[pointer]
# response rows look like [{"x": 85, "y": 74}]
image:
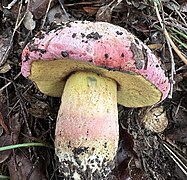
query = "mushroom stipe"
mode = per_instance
[{"x": 88, "y": 112}]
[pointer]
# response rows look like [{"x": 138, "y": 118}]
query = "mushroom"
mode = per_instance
[
  {"x": 154, "y": 119},
  {"x": 92, "y": 66}
]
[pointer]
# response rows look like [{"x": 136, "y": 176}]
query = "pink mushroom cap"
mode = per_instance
[{"x": 101, "y": 44}]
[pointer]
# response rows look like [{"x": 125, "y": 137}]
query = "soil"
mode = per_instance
[{"x": 27, "y": 115}]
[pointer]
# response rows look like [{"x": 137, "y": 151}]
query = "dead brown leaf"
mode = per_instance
[
  {"x": 20, "y": 167},
  {"x": 155, "y": 46},
  {"x": 104, "y": 14},
  {"x": 2, "y": 123},
  {"x": 5, "y": 68},
  {"x": 10, "y": 138},
  {"x": 184, "y": 7},
  {"x": 57, "y": 15},
  {"x": 4, "y": 46},
  {"x": 15, "y": 127},
  {"x": 5, "y": 140},
  {"x": 178, "y": 134},
  {"x": 90, "y": 10},
  {"x": 38, "y": 8},
  {"x": 185, "y": 74},
  {"x": 38, "y": 108}
]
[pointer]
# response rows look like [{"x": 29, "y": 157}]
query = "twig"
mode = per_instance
[
  {"x": 45, "y": 17},
  {"x": 9, "y": 83},
  {"x": 18, "y": 23},
  {"x": 23, "y": 108},
  {"x": 175, "y": 24},
  {"x": 34, "y": 166},
  {"x": 183, "y": 19},
  {"x": 176, "y": 156},
  {"x": 10, "y": 4},
  {"x": 144, "y": 162},
  {"x": 178, "y": 107},
  {"x": 172, "y": 82},
  {"x": 178, "y": 52},
  {"x": 13, "y": 107},
  {"x": 62, "y": 6}
]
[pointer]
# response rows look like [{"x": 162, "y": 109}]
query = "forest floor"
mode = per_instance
[{"x": 27, "y": 115}]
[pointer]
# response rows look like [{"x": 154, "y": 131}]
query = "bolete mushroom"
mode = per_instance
[{"x": 92, "y": 66}]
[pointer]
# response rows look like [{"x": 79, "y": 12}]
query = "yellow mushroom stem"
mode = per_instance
[{"x": 87, "y": 126}]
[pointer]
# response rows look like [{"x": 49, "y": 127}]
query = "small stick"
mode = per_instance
[
  {"x": 10, "y": 4},
  {"x": 178, "y": 52},
  {"x": 177, "y": 157},
  {"x": 18, "y": 23},
  {"x": 45, "y": 17},
  {"x": 172, "y": 82},
  {"x": 9, "y": 83},
  {"x": 62, "y": 6}
]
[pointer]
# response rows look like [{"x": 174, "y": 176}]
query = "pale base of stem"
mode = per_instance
[{"x": 87, "y": 126}]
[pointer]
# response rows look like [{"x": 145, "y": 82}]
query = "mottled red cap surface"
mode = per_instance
[{"x": 99, "y": 47}]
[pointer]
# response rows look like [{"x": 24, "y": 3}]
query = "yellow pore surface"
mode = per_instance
[{"x": 133, "y": 89}]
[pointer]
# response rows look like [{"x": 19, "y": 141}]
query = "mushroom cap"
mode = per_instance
[{"x": 99, "y": 47}]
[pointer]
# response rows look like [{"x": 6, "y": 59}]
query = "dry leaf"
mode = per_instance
[
  {"x": 38, "y": 7},
  {"x": 5, "y": 68},
  {"x": 38, "y": 108},
  {"x": 155, "y": 46},
  {"x": 28, "y": 21},
  {"x": 11, "y": 138},
  {"x": 178, "y": 134},
  {"x": 20, "y": 167},
  {"x": 4, "y": 46},
  {"x": 172, "y": 5},
  {"x": 57, "y": 15},
  {"x": 104, "y": 14},
  {"x": 5, "y": 140},
  {"x": 15, "y": 123},
  {"x": 185, "y": 74},
  {"x": 184, "y": 7},
  {"x": 91, "y": 10},
  {"x": 3, "y": 124}
]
